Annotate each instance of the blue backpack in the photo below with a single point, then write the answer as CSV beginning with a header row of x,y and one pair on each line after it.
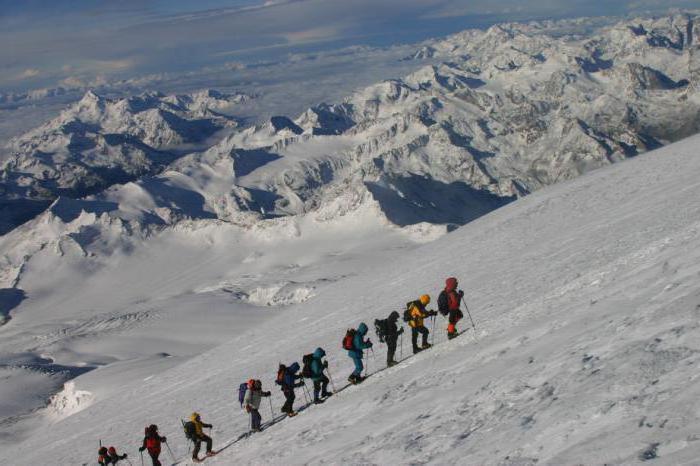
x,y
242,388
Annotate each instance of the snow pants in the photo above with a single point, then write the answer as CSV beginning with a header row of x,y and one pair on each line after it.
x,y
198,443
391,350
455,316
320,386
255,419
154,458
357,359
414,337
289,397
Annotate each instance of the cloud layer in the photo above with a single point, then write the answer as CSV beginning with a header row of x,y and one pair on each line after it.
x,y
49,42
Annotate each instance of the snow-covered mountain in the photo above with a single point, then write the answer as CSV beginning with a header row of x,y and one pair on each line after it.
x,y
585,299
160,230
98,142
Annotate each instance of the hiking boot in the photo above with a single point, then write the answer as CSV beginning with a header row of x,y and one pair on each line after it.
x,y
450,336
391,363
197,460
292,413
426,346
417,350
326,394
318,402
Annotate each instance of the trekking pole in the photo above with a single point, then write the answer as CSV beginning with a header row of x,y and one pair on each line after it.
x,y
272,413
169,451
331,378
401,357
305,390
470,317
142,458
433,330
367,368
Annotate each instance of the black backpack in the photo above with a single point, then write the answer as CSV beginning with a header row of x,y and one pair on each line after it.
x,y
407,313
190,430
443,306
381,327
306,370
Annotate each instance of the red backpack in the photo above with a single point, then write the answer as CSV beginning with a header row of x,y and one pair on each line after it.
x,y
349,340
281,372
152,440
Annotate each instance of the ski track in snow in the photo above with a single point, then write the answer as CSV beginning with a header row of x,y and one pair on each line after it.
x,y
586,301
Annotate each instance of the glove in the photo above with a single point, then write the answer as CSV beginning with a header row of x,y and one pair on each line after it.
x,y
247,408
125,455
143,448
460,293
369,343
325,364
400,331
163,439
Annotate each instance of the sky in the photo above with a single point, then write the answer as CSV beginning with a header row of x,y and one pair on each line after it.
x,y
70,42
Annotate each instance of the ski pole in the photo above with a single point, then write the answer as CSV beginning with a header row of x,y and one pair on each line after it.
x,y
433,329
401,357
331,378
272,413
142,457
470,316
169,451
304,390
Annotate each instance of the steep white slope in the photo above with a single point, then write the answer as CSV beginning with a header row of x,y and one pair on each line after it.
x,y
586,300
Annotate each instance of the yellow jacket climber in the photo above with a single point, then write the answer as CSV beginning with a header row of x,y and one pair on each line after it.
x,y
418,311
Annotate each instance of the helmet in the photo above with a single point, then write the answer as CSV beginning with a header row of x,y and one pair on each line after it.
x,y
194,416
112,451
153,428
257,384
425,299
451,283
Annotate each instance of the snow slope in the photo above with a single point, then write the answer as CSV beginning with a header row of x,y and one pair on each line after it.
x,y
586,301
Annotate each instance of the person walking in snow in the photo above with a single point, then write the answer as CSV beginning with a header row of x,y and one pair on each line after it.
x,y
287,378
199,436
448,305
251,402
417,314
356,351
151,442
391,336
109,456
318,365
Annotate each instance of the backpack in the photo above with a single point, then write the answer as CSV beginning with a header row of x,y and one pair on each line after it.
x,y
102,455
152,440
281,372
242,389
443,305
407,313
306,371
190,430
349,340
381,327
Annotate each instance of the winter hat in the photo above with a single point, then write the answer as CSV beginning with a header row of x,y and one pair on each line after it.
x,y
451,283
425,299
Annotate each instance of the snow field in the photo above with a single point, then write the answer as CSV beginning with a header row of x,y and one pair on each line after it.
x,y
586,300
